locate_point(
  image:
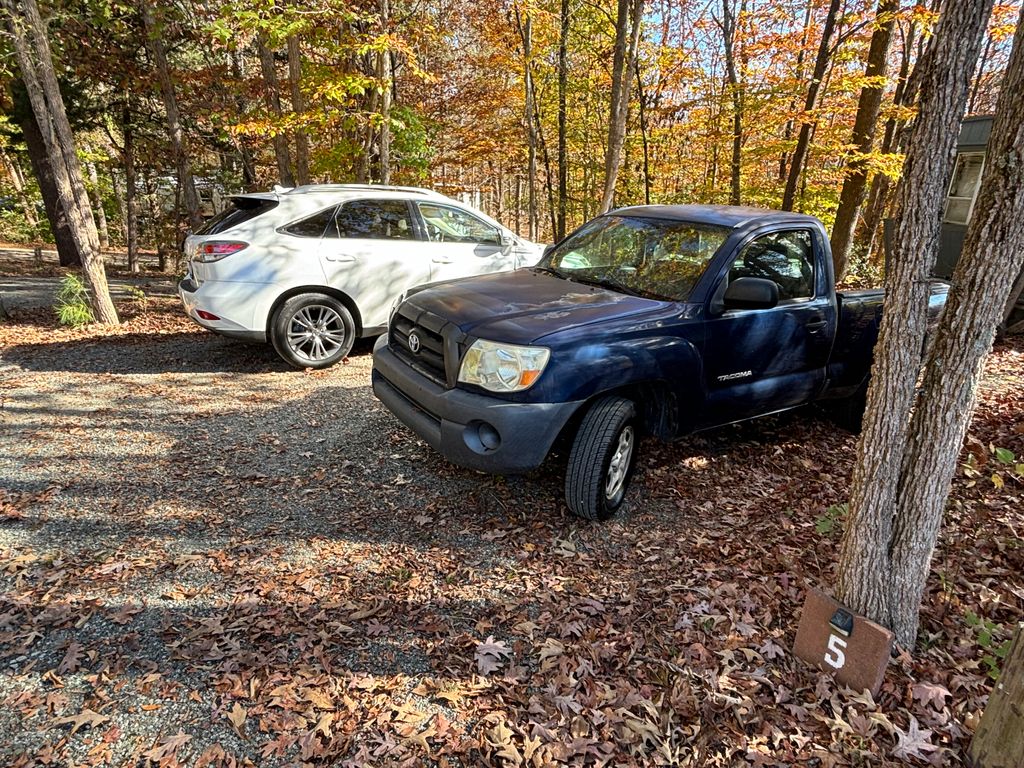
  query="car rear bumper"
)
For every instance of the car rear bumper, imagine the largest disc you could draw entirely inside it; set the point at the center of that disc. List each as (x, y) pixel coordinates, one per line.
(206, 297)
(468, 429)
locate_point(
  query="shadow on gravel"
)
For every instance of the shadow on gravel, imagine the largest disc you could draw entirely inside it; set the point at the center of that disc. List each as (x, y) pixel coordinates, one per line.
(139, 353)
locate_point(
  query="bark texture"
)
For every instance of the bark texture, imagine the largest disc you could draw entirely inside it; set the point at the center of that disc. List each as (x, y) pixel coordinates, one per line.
(272, 97)
(864, 571)
(627, 38)
(190, 197)
(855, 183)
(35, 60)
(999, 741)
(992, 257)
(67, 248)
(298, 107)
(803, 141)
(736, 96)
(563, 153)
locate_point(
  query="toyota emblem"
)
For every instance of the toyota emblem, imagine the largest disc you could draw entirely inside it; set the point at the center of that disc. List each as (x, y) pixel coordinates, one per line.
(414, 343)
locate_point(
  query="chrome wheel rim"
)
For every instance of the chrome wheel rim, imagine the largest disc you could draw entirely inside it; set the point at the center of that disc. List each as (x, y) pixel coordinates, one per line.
(315, 333)
(619, 465)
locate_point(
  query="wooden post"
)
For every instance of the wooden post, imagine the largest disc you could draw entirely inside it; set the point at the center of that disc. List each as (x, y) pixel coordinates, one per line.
(999, 742)
(37, 252)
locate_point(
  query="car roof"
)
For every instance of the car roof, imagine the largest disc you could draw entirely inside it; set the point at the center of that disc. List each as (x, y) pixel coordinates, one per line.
(334, 189)
(716, 215)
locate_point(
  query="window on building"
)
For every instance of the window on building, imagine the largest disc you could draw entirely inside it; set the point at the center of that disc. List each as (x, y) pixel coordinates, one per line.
(964, 188)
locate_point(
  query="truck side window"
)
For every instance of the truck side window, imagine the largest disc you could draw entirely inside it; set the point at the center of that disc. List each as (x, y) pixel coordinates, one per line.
(787, 258)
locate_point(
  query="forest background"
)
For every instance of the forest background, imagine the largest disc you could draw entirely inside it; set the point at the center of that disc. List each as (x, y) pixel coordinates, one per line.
(507, 105)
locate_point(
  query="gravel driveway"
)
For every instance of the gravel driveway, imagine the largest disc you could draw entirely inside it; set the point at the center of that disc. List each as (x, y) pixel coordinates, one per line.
(207, 558)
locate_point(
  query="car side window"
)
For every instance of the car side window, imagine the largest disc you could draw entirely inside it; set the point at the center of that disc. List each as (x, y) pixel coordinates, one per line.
(787, 258)
(373, 220)
(450, 225)
(312, 226)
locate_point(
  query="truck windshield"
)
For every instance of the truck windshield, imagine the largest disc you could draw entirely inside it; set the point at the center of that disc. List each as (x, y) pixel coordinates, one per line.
(660, 258)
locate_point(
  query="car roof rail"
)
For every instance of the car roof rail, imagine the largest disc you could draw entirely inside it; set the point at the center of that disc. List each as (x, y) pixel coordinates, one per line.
(361, 187)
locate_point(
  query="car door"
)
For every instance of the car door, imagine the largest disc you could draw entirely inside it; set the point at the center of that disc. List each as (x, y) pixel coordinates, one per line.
(460, 244)
(758, 361)
(371, 251)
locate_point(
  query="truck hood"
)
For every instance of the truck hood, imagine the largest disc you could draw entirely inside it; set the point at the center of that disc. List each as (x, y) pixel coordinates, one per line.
(523, 306)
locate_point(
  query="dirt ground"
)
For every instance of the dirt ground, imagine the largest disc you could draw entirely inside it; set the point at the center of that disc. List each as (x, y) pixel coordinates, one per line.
(207, 558)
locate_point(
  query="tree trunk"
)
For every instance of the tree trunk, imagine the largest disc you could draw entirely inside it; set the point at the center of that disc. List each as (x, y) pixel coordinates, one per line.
(131, 206)
(642, 106)
(787, 134)
(384, 75)
(879, 194)
(526, 32)
(298, 107)
(992, 257)
(851, 198)
(32, 52)
(174, 130)
(803, 141)
(736, 94)
(272, 97)
(11, 164)
(563, 158)
(627, 39)
(999, 740)
(97, 205)
(244, 155)
(67, 248)
(864, 574)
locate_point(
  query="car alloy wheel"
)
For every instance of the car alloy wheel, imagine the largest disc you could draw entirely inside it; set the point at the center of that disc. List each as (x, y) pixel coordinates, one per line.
(315, 333)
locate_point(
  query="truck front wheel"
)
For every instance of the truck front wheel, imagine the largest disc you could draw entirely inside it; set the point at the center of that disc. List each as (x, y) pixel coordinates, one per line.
(602, 459)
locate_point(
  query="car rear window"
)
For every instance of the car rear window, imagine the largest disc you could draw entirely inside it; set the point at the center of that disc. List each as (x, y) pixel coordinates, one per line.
(238, 211)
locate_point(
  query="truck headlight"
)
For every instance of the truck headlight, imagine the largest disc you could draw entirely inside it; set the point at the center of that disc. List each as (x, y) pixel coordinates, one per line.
(503, 367)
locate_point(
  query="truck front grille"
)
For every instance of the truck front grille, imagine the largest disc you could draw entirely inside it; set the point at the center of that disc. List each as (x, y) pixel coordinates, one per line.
(428, 359)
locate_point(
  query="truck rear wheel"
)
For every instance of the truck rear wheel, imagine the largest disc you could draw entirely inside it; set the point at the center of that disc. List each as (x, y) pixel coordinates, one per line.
(602, 459)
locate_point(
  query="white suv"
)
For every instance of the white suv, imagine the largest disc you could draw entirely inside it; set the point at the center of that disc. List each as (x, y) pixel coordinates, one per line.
(315, 267)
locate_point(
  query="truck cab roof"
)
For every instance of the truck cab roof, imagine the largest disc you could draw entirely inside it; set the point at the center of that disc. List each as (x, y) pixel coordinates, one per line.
(730, 216)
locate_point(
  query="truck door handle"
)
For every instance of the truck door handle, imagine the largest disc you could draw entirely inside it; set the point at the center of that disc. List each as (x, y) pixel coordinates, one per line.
(816, 325)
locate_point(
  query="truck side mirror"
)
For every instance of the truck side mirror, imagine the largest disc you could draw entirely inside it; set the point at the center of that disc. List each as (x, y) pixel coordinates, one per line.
(751, 293)
(548, 249)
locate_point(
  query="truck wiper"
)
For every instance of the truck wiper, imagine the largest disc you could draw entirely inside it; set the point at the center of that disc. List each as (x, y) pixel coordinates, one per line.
(550, 271)
(607, 281)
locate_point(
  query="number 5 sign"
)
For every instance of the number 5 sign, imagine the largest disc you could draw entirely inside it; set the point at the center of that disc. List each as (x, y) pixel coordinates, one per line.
(851, 647)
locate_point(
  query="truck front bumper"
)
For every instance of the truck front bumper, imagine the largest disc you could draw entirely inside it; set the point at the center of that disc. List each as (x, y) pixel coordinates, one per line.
(471, 430)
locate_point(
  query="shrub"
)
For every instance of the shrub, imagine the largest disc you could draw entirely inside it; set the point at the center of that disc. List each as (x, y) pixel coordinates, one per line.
(72, 306)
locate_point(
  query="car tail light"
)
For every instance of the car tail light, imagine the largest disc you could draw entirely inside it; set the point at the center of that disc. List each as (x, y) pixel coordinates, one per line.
(204, 315)
(215, 250)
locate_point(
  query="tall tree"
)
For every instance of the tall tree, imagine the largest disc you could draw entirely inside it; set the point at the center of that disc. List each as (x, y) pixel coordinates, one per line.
(563, 151)
(803, 141)
(627, 39)
(854, 190)
(992, 256)
(298, 107)
(272, 97)
(735, 88)
(155, 38)
(35, 61)
(865, 571)
(386, 85)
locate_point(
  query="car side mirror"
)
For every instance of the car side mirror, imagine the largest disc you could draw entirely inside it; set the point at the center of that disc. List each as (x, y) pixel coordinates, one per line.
(507, 240)
(751, 293)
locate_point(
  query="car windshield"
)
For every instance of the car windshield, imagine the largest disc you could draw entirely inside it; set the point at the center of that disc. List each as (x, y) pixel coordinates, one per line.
(659, 258)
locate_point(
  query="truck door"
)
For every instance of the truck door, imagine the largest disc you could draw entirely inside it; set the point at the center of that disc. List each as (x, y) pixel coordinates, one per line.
(757, 361)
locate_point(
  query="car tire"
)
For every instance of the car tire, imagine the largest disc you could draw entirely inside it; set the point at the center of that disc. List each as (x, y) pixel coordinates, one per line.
(312, 330)
(602, 459)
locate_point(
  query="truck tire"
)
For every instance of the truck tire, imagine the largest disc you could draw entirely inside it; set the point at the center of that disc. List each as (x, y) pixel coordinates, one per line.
(602, 459)
(312, 330)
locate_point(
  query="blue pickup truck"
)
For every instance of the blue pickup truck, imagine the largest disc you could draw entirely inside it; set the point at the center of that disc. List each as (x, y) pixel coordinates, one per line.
(658, 320)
